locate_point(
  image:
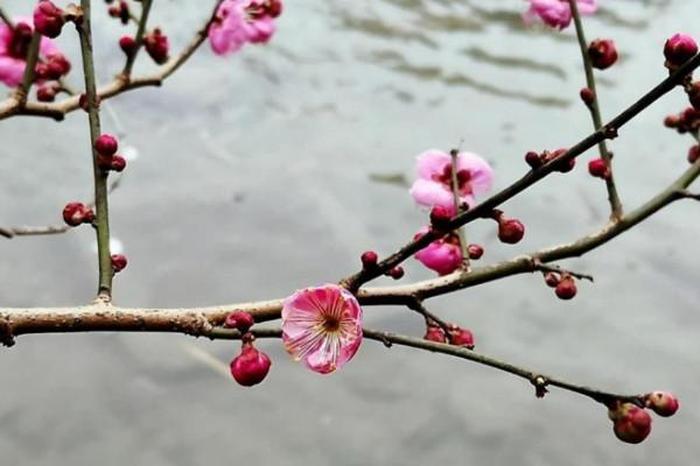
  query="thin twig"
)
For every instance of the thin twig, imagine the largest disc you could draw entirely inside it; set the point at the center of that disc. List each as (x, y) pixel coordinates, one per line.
(6, 19)
(594, 107)
(31, 60)
(429, 316)
(461, 235)
(142, 23)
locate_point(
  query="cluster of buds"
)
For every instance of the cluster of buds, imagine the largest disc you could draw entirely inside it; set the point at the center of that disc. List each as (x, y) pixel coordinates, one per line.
(107, 159)
(536, 160)
(632, 423)
(510, 230)
(564, 284)
(679, 49)
(602, 53)
(47, 72)
(120, 10)
(250, 366)
(157, 46)
(455, 335)
(688, 121)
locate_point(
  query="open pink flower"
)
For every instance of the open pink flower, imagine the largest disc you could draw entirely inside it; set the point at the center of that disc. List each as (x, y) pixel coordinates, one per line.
(241, 21)
(443, 256)
(557, 13)
(322, 327)
(14, 44)
(434, 184)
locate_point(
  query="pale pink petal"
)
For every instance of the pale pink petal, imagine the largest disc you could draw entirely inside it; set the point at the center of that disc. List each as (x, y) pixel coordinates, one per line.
(11, 70)
(431, 194)
(587, 7)
(261, 30)
(432, 162)
(480, 171)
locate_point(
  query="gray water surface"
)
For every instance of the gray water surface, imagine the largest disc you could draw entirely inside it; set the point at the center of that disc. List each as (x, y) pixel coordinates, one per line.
(255, 179)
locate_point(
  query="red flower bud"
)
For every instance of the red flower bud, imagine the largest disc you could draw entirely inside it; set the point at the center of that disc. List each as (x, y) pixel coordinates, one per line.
(510, 231)
(551, 279)
(693, 153)
(396, 273)
(533, 159)
(106, 145)
(671, 121)
(461, 337)
(631, 423)
(119, 262)
(48, 19)
(157, 46)
(662, 403)
(57, 66)
(251, 366)
(127, 44)
(273, 8)
(679, 49)
(118, 163)
(46, 92)
(440, 216)
(566, 288)
(435, 333)
(369, 259)
(75, 213)
(475, 251)
(239, 320)
(587, 96)
(598, 168)
(603, 53)
(564, 166)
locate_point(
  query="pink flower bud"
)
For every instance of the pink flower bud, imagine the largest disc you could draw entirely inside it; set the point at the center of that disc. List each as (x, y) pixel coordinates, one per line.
(694, 153)
(475, 251)
(551, 279)
(57, 66)
(671, 121)
(127, 44)
(106, 145)
(239, 320)
(679, 49)
(598, 168)
(510, 231)
(48, 19)
(533, 159)
(157, 46)
(369, 259)
(119, 262)
(566, 288)
(396, 273)
(435, 333)
(662, 403)
(461, 337)
(440, 216)
(603, 53)
(631, 423)
(587, 96)
(251, 366)
(75, 213)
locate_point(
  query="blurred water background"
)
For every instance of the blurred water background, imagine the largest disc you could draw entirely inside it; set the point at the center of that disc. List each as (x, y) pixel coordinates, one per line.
(257, 175)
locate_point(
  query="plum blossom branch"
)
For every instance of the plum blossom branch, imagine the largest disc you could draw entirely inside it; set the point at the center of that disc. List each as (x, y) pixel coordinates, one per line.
(594, 107)
(608, 131)
(58, 110)
(99, 175)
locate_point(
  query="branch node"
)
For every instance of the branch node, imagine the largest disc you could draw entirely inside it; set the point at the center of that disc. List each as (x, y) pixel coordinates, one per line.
(540, 383)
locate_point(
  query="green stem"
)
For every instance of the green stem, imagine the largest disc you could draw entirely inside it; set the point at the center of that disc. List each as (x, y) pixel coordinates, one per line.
(100, 176)
(594, 107)
(142, 22)
(461, 234)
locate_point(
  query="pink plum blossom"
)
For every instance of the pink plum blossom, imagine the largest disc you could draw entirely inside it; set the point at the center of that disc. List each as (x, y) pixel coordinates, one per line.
(14, 44)
(322, 327)
(434, 184)
(557, 13)
(240, 21)
(444, 255)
